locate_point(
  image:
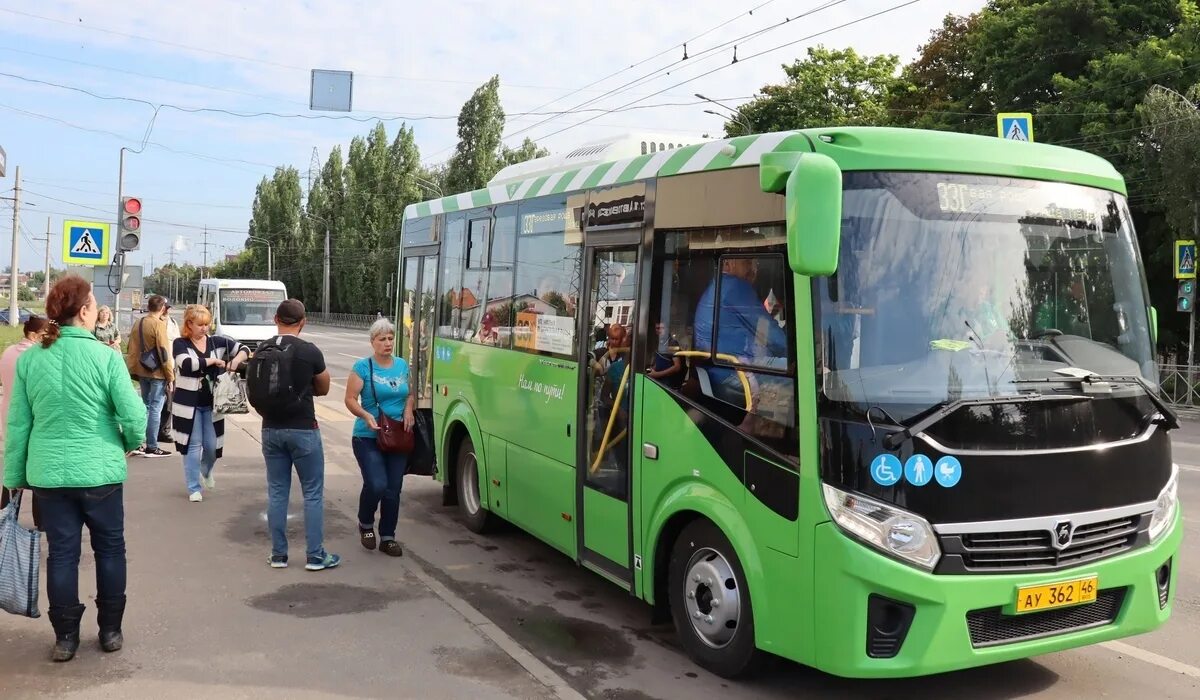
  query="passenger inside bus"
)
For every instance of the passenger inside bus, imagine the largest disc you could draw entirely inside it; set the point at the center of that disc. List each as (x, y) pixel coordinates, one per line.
(668, 367)
(611, 416)
(745, 330)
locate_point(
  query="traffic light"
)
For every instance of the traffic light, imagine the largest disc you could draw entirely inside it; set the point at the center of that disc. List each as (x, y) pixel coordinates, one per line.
(1185, 301)
(129, 236)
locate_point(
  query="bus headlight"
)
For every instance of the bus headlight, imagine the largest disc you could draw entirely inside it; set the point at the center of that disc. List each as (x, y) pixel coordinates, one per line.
(894, 531)
(1165, 507)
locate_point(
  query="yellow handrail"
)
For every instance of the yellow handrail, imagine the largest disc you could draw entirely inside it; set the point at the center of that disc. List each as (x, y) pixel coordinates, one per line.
(612, 417)
(724, 358)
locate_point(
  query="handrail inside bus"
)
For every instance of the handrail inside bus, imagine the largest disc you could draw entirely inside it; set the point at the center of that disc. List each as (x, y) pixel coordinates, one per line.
(612, 417)
(724, 358)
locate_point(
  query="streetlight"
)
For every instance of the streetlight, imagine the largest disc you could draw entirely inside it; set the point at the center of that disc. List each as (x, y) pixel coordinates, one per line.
(736, 116)
(270, 269)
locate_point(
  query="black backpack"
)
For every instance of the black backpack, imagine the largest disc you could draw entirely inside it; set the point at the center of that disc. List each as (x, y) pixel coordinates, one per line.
(269, 380)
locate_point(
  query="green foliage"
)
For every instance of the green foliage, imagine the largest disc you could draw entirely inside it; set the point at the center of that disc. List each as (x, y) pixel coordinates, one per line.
(24, 293)
(829, 88)
(480, 130)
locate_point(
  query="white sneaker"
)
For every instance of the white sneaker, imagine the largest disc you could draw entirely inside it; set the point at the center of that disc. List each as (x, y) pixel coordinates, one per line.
(196, 497)
(208, 481)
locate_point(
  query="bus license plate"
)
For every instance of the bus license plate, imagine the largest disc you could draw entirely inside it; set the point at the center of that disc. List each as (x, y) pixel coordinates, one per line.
(1056, 595)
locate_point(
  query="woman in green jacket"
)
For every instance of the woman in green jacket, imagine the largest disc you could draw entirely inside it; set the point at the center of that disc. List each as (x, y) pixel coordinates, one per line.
(72, 418)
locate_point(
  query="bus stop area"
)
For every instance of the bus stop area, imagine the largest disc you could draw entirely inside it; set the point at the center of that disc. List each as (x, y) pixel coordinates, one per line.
(207, 617)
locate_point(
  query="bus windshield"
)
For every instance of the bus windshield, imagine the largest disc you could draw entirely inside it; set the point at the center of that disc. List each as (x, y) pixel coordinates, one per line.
(961, 286)
(250, 307)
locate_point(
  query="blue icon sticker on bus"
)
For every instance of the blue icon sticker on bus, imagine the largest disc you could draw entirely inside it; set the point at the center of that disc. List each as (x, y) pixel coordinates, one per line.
(886, 469)
(947, 471)
(918, 470)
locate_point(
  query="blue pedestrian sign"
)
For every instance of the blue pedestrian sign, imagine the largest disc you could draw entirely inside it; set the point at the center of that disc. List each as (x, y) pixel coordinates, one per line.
(947, 471)
(918, 470)
(1185, 260)
(85, 242)
(1015, 126)
(886, 469)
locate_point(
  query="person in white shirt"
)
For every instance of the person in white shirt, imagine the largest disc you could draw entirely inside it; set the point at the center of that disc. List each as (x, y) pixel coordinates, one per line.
(164, 432)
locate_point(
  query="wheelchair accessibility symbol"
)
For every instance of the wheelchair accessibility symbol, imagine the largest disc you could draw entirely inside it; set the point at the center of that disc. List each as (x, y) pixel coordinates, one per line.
(886, 469)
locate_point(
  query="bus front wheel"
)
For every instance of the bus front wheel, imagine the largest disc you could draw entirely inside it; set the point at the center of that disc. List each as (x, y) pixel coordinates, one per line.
(466, 476)
(710, 602)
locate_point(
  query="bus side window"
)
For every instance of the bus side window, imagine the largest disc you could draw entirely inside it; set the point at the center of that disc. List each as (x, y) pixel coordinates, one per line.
(720, 301)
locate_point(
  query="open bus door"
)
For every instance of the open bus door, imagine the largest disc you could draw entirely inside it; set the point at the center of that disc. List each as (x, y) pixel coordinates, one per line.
(414, 316)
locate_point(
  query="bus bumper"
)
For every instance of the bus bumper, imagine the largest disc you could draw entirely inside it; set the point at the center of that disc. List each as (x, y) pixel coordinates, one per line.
(938, 637)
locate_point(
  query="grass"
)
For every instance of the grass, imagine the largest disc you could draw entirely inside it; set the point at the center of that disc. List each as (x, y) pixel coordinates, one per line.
(10, 336)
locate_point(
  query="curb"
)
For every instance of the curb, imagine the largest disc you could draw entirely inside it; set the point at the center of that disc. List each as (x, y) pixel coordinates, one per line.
(481, 623)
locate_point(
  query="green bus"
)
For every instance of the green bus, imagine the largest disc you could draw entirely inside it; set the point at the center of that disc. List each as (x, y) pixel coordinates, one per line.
(879, 401)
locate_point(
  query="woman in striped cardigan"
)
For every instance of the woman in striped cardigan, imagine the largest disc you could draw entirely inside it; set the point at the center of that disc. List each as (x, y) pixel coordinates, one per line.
(199, 360)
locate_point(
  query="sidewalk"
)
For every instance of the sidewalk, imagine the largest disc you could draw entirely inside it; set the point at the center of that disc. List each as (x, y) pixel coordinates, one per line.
(208, 618)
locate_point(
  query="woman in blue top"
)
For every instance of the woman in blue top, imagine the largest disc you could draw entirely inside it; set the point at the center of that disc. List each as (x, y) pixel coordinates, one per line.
(378, 384)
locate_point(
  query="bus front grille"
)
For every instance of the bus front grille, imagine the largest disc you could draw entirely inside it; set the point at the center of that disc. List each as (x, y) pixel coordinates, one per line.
(1035, 550)
(991, 627)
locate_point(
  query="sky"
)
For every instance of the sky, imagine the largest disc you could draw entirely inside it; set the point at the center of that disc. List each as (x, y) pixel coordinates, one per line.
(412, 64)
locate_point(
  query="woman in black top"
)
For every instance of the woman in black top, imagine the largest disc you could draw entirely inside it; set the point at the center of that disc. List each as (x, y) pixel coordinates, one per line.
(199, 360)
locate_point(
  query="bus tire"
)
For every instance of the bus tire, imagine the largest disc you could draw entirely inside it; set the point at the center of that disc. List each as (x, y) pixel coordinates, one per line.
(710, 602)
(470, 501)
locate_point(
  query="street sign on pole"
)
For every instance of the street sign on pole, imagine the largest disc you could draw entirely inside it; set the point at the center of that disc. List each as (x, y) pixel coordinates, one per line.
(1185, 260)
(1015, 126)
(85, 243)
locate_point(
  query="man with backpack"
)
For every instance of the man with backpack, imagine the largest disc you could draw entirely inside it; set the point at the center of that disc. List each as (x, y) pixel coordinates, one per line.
(149, 361)
(281, 380)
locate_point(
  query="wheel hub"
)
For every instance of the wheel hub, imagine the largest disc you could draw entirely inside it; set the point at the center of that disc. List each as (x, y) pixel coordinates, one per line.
(712, 598)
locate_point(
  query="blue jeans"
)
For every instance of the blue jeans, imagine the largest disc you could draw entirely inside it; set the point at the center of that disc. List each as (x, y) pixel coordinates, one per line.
(201, 449)
(64, 512)
(154, 394)
(383, 478)
(283, 449)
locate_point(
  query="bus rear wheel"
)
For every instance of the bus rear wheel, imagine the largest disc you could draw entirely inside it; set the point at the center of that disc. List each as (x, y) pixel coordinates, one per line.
(466, 477)
(710, 602)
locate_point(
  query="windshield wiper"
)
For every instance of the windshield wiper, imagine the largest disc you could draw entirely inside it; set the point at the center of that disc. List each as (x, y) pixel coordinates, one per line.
(1098, 383)
(945, 408)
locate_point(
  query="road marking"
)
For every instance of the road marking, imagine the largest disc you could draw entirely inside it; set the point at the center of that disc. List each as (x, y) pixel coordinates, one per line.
(1188, 468)
(352, 357)
(1152, 658)
(326, 413)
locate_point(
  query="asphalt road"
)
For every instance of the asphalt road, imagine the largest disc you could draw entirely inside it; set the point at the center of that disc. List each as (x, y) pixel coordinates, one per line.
(602, 642)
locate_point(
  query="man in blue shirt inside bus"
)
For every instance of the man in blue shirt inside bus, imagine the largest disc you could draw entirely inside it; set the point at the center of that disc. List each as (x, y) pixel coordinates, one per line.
(747, 331)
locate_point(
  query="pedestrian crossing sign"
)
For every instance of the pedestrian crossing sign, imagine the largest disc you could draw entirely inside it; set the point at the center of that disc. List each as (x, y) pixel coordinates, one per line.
(1015, 126)
(85, 242)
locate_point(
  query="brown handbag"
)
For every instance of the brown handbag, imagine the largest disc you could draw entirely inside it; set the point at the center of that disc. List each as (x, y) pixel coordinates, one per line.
(392, 437)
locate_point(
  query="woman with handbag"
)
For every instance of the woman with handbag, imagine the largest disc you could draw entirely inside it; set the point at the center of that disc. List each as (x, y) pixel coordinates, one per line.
(73, 416)
(199, 432)
(379, 392)
(35, 330)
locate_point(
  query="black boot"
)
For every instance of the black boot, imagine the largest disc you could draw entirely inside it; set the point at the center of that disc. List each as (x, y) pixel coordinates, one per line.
(66, 631)
(109, 613)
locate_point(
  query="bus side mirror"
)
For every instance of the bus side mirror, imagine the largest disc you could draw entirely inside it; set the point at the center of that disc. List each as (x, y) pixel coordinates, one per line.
(812, 186)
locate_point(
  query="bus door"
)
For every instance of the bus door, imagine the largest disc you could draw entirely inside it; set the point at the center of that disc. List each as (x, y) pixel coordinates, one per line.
(606, 422)
(414, 317)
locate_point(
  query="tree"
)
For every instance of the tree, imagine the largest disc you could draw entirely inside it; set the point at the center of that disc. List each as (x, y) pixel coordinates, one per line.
(830, 88)
(1174, 130)
(528, 150)
(24, 293)
(480, 130)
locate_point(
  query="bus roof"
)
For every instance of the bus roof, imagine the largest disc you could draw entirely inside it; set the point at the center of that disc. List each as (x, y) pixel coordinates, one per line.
(854, 148)
(243, 283)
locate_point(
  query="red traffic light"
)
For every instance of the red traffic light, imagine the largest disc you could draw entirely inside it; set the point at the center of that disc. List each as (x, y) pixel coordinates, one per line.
(133, 205)
(132, 222)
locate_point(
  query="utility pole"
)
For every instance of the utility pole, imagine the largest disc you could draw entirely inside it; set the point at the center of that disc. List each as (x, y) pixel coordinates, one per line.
(13, 269)
(1192, 316)
(204, 266)
(325, 292)
(46, 281)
